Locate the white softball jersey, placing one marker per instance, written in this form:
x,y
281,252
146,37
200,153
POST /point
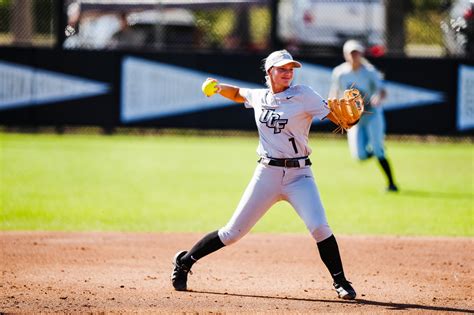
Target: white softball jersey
x,y
283,121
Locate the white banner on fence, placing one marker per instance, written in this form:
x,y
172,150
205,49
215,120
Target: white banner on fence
x,y
22,86
398,95
152,90
465,110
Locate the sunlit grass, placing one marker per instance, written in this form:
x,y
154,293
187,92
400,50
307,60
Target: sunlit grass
x,y
192,183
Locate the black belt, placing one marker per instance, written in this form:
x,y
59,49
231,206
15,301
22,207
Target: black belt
x,y
284,162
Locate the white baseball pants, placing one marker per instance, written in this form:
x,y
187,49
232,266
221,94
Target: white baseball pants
x,y
269,185
368,136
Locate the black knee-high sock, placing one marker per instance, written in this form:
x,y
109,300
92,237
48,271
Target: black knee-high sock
x,y
386,168
208,244
329,252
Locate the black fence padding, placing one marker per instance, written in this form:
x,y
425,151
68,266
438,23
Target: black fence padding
x,y
105,66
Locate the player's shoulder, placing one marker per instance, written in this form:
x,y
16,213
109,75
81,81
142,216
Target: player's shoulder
x,y
258,91
254,92
369,67
343,68
305,91
301,88
371,71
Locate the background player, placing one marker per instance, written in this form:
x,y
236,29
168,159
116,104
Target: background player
x,y
283,114
366,139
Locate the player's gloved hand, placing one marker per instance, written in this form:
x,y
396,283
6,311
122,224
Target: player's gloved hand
x,y
210,87
347,110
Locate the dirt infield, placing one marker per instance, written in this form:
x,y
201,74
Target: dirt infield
x,y
129,272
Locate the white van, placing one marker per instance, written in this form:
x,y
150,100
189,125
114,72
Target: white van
x,y
327,24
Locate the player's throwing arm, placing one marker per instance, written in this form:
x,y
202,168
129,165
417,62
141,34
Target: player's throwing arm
x,y
212,86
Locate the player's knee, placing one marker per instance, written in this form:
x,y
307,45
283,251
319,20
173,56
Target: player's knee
x,y
379,154
230,236
359,155
321,232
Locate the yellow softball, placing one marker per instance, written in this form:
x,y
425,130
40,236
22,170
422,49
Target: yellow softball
x,y
209,87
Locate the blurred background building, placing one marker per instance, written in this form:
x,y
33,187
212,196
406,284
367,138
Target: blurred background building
x,y
141,63
427,28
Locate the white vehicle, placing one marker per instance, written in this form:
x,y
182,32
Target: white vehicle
x,y
127,24
320,24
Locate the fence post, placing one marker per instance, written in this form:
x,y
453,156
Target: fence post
x,y
275,43
395,12
61,17
22,22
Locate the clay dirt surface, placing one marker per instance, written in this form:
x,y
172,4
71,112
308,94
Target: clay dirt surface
x,y
58,272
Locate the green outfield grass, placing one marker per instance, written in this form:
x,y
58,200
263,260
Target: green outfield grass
x,y
190,183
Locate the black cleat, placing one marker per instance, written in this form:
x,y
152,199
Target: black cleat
x,y
179,277
392,188
345,290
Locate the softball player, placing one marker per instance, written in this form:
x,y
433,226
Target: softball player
x,y
367,137
283,114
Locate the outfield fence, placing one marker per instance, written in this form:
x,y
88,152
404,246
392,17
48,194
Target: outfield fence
x,y
118,64
117,89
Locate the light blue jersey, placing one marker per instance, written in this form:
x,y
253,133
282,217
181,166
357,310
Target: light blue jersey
x,y
367,137
366,79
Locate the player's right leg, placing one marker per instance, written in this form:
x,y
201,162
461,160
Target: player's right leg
x,y
357,139
302,193
376,133
261,193
331,257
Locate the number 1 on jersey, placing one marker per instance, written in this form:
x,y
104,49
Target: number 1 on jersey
x,y
292,140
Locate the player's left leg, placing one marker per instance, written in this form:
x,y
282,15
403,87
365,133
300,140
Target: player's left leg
x,y
376,133
184,260
357,139
302,193
261,193
385,165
